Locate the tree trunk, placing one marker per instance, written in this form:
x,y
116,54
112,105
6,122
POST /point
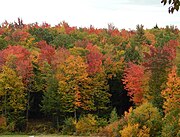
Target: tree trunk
x,y
27,111
5,109
75,116
57,120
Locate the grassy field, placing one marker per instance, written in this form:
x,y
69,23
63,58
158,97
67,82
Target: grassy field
x,y
37,136
34,136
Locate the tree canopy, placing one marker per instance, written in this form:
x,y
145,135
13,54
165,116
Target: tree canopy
x,y
74,77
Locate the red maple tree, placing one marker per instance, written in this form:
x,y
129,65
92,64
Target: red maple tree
x,y
94,59
133,80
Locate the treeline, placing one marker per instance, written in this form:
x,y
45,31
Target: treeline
x,y
71,78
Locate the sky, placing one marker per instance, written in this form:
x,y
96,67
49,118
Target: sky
x,y
83,13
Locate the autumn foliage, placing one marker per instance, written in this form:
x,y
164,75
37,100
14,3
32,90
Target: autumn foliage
x,y
70,76
19,58
171,93
133,80
94,59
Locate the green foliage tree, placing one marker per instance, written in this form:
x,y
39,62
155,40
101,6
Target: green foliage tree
x,y
159,62
98,78
100,96
171,124
63,40
41,34
132,53
3,43
113,116
69,127
51,104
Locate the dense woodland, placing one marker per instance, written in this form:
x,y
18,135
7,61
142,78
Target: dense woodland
x,y
89,81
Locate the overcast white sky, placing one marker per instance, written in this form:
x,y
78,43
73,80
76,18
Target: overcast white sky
x,y
83,13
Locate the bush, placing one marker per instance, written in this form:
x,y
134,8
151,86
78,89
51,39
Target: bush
x,y
130,131
69,126
40,126
171,124
2,124
86,125
113,116
144,119
112,130
102,122
135,131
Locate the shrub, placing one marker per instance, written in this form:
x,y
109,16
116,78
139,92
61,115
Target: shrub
x,y
171,125
135,131
147,118
112,130
69,126
130,131
113,116
101,122
2,124
40,126
86,125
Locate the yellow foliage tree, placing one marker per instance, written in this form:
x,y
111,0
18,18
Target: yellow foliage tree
x,y
12,95
74,86
171,105
172,93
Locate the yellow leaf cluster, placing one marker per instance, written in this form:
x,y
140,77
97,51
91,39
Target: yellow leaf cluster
x,y
172,93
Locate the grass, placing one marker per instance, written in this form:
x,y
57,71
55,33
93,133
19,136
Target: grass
x,y
52,135
34,136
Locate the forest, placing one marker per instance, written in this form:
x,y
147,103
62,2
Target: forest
x,y
89,81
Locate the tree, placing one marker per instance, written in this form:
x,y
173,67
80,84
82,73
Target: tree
x,y
133,52
12,96
158,63
100,95
3,43
171,124
60,56
47,53
51,103
97,75
113,116
174,4
134,80
171,105
40,34
73,85
171,93
18,59
94,59
143,119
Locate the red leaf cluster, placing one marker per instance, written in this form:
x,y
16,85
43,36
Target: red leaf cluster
x,y
59,57
159,57
20,35
21,61
47,53
94,59
133,80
